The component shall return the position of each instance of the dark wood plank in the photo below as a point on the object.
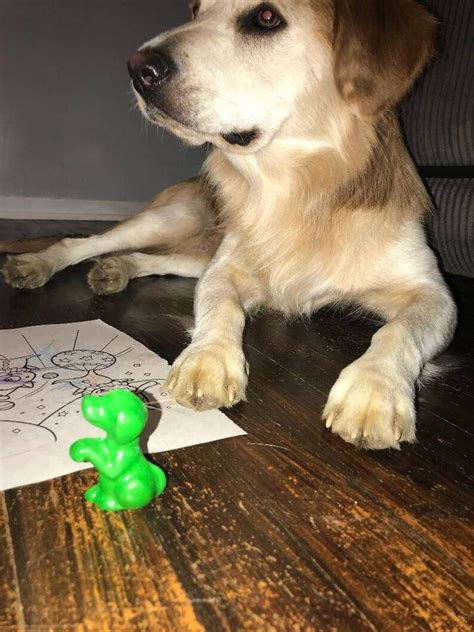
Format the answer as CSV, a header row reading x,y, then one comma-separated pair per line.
x,y
287,528
26,229
11,616
79,567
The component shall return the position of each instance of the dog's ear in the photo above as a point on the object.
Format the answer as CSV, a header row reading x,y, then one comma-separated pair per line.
x,y
380,47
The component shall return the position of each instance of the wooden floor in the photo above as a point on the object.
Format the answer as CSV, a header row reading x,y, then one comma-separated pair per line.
x,y
287,528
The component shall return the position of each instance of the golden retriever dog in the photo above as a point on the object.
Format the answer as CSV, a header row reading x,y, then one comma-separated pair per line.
x,y
308,197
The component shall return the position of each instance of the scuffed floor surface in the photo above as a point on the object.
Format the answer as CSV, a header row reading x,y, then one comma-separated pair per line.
x,y
285,529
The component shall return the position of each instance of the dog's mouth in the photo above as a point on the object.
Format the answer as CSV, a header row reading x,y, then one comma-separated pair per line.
x,y
160,114
243,139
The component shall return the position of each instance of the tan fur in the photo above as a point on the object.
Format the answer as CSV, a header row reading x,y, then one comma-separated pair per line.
x,y
325,206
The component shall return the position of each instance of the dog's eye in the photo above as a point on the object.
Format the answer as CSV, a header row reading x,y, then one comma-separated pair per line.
x,y
265,18
268,19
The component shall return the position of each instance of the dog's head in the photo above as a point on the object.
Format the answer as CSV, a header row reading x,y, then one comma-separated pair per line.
x,y
243,72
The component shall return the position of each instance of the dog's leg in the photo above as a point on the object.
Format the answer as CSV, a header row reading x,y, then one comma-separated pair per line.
x,y
174,215
372,402
212,371
112,274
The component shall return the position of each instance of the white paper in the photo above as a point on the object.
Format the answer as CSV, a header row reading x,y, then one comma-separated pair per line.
x,y
44,373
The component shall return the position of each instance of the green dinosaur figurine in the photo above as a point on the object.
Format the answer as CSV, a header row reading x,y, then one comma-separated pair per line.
x,y
126,479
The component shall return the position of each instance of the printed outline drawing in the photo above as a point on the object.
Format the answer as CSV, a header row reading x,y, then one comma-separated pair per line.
x,y
85,379
13,378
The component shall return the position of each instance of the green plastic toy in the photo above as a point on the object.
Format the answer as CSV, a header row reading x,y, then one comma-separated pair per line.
x,y
126,479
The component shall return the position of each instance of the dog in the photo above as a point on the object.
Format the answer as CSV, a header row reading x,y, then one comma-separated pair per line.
x,y
308,197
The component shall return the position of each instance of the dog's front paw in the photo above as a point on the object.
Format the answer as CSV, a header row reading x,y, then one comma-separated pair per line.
x,y
27,271
208,376
371,407
109,276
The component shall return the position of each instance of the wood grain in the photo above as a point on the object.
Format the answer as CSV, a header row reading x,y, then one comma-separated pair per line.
x,y
11,616
287,528
85,568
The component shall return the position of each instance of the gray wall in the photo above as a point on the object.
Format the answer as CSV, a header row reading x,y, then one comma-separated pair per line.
x,y
67,127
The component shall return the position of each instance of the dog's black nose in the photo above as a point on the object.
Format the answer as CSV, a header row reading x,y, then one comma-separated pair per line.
x,y
150,69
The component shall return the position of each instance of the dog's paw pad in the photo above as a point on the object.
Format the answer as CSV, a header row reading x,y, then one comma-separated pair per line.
x,y
109,276
28,271
208,377
370,408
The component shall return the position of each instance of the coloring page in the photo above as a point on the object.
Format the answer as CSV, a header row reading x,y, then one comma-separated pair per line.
x,y
44,373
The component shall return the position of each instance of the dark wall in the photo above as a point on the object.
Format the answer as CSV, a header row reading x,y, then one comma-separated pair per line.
x,y
68,128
